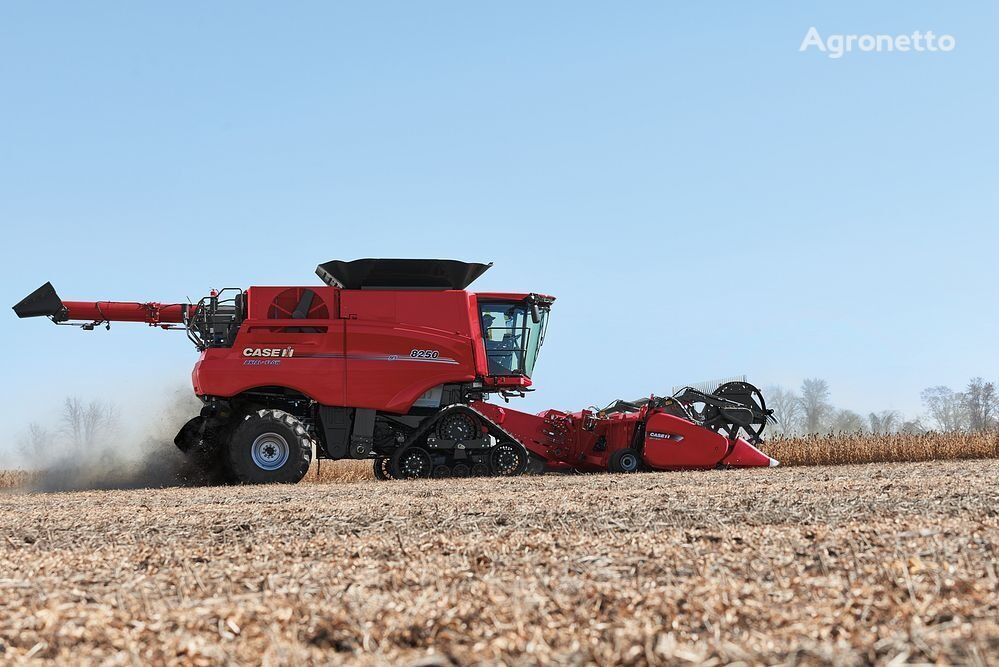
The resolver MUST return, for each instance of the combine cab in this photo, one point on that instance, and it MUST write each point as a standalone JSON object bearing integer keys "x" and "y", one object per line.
{"x": 393, "y": 360}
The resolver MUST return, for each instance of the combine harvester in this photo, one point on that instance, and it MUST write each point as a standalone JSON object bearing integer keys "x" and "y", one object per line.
{"x": 392, "y": 360}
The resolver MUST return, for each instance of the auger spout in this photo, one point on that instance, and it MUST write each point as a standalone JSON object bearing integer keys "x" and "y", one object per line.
{"x": 45, "y": 302}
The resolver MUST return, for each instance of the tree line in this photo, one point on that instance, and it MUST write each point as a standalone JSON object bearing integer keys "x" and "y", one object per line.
{"x": 82, "y": 428}
{"x": 809, "y": 410}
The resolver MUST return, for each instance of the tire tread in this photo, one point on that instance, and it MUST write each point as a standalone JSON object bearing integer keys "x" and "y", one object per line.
{"x": 300, "y": 457}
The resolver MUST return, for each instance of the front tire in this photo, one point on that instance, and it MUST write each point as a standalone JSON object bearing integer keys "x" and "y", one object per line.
{"x": 269, "y": 447}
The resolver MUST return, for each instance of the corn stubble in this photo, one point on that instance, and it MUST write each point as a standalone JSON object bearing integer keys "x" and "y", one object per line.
{"x": 834, "y": 449}
{"x": 831, "y": 449}
{"x": 852, "y": 564}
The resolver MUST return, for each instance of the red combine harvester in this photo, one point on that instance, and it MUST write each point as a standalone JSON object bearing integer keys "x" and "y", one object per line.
{"x": 393, "y": 360}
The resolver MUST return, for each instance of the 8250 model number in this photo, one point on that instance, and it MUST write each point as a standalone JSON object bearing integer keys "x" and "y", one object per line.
{"x": 424, "y": 354}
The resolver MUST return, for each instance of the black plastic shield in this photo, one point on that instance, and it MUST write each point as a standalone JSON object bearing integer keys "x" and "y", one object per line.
{"x": 43, "y": 302}
{"x": 400, "y": 273}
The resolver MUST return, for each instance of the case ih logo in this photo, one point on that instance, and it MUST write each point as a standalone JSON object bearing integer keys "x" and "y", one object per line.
{"x": 270, "y": 352}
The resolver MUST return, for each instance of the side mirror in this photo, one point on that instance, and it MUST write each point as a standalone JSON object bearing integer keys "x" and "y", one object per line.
{"x": 535, "y": 313}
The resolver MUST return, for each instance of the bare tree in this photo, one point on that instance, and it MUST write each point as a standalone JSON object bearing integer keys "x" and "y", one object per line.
{"x": 947, "y": 409}
{"x": 846, "y": 421}
{"x": 787, "y": 410}
{"x": 33, "y": 444}
{"x": 886, "y": 421}
{"x": 87, "y": 425}
{"x": 912, "y": 427}
{"x": 982, "y": 404}
{"x": 815, "y": 404}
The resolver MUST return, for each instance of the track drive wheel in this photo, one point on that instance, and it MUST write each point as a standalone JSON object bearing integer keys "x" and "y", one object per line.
{"x": 411, "y": 462}
{"x": 509, "y": 459}
{"x": 458, "y": 426}
{"x": 624, "y": 460}
{"x": 269, "y": 447}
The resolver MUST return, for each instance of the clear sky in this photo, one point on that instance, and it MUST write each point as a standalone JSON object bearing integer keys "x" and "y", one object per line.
{"x": 703, "y": 199}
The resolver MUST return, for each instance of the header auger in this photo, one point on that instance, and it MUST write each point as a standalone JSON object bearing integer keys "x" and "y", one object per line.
{"x": 393, "y": 360}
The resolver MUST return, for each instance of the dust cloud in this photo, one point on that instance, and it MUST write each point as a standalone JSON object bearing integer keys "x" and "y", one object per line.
{"x": 89, "y": 450}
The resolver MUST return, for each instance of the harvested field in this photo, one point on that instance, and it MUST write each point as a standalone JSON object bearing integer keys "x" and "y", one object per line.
{"x": 330, "y": 472}
{"x": 326, "y": 472}
{"x": 834, "y": 449}
{"x": 816, "y": 450}
{"x": 852, "y": 564}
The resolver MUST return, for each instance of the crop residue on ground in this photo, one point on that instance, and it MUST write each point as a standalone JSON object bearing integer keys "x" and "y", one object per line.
{"x": 855, "y": 564}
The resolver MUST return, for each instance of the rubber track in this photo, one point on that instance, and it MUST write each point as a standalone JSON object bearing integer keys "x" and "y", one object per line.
{"x": 494, "y": 428}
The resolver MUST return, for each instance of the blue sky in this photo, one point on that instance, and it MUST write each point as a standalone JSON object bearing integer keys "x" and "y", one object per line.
{"x": 703, "y": 199}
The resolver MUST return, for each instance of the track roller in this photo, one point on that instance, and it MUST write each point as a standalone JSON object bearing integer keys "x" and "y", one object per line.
{"x": 411, "y": 462}
{"x": 381, "y": 468}
{"x": 509, "y": 459}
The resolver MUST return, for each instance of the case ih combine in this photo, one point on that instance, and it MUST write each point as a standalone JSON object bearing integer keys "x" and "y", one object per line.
{"x": 393, "y": 360}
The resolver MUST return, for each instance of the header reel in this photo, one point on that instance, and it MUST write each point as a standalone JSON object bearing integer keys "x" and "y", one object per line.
{"x": 732, "y": 407}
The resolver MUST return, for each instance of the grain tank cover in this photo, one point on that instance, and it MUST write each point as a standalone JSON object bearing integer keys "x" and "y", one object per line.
{"x": 435, "y": 274}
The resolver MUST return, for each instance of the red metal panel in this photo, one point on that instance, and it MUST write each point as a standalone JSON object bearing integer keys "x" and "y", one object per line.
{"x": 535, "y": 432}
{"x": 744, "y": 455}
{"x": 316, "y": 366}
{"x": 124, "y": 311}
{"x": 672, "y": 443}
{"x": 475, "y": 328}
{"x": 400, "y": 344}
{"x": 385, "y": 350}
